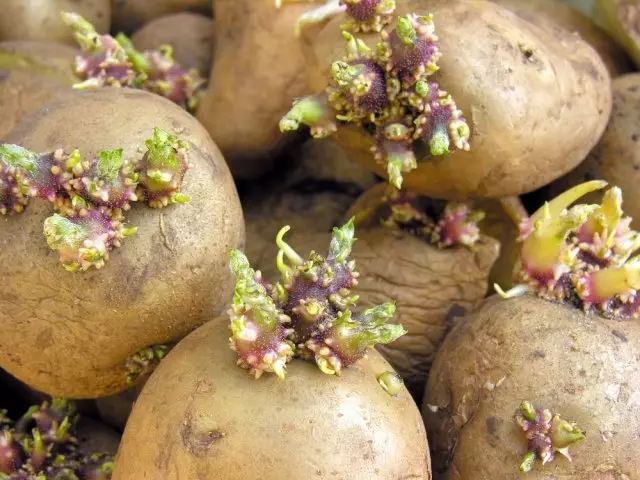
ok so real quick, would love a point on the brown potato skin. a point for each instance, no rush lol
(616, 158)
(201, 416)
(581, 366)
(524, 111)
(190, 35)
(31, 75)
(129, 15)
(258, 68)
(555, 12)
(69, 334)
(41, 20)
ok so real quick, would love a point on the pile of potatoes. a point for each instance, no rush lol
(457, 294)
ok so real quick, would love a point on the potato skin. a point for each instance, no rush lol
(555, 12)
(258, 68)
(31, 74)
(201, 416)
(537, 100)
(619, 18)
(40, 19)
(190, 35)
(129, 15)
(69, 334)
(583, 367)
(616, 158)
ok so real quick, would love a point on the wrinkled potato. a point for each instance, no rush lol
(189, 34)
(580, 366)
(70, 334)
(41, 20)
(216, 421)
(620, 18)
(129, 15)
(616, 158)
(431, 285)
(492, 63)
(258, 67)
(31, 74)
(555, 12)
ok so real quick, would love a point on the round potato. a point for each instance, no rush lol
(556, 12)
(129, 15)
(41, 20)
(70, 334)
(616, 158)
(492, 62)
(114, 410)
(201, 416)
(580, 366)
(31, 74)
(258, 67)
(189, 34)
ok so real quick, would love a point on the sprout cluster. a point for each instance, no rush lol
(41, 445)
(309, 313)
(441, 224)
(546, 434)
(114, 62)
(389, 92)
(89, 196)
(582, 254)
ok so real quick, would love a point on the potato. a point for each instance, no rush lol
(581, 366)
(555, 12)
(616, 157)
(620, 19)
(129, 15)
(70, 334)
(200, 416)
(258, 67)
(492, 62)
(189, 34)
(31, 74)
(431, 285)
(41, 20)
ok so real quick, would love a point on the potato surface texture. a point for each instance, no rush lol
(189, 34)
(31, 74)
(544, 13)
(129, 15)
(258, 67)
(583, 367)
(536, 100)
(616, 158)
(69, 334)
(201, 416)
(41, 20)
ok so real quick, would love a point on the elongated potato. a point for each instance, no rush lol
(258, 68)
(536, 100)
(41, 20)
(31, 74)
(69, 334)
